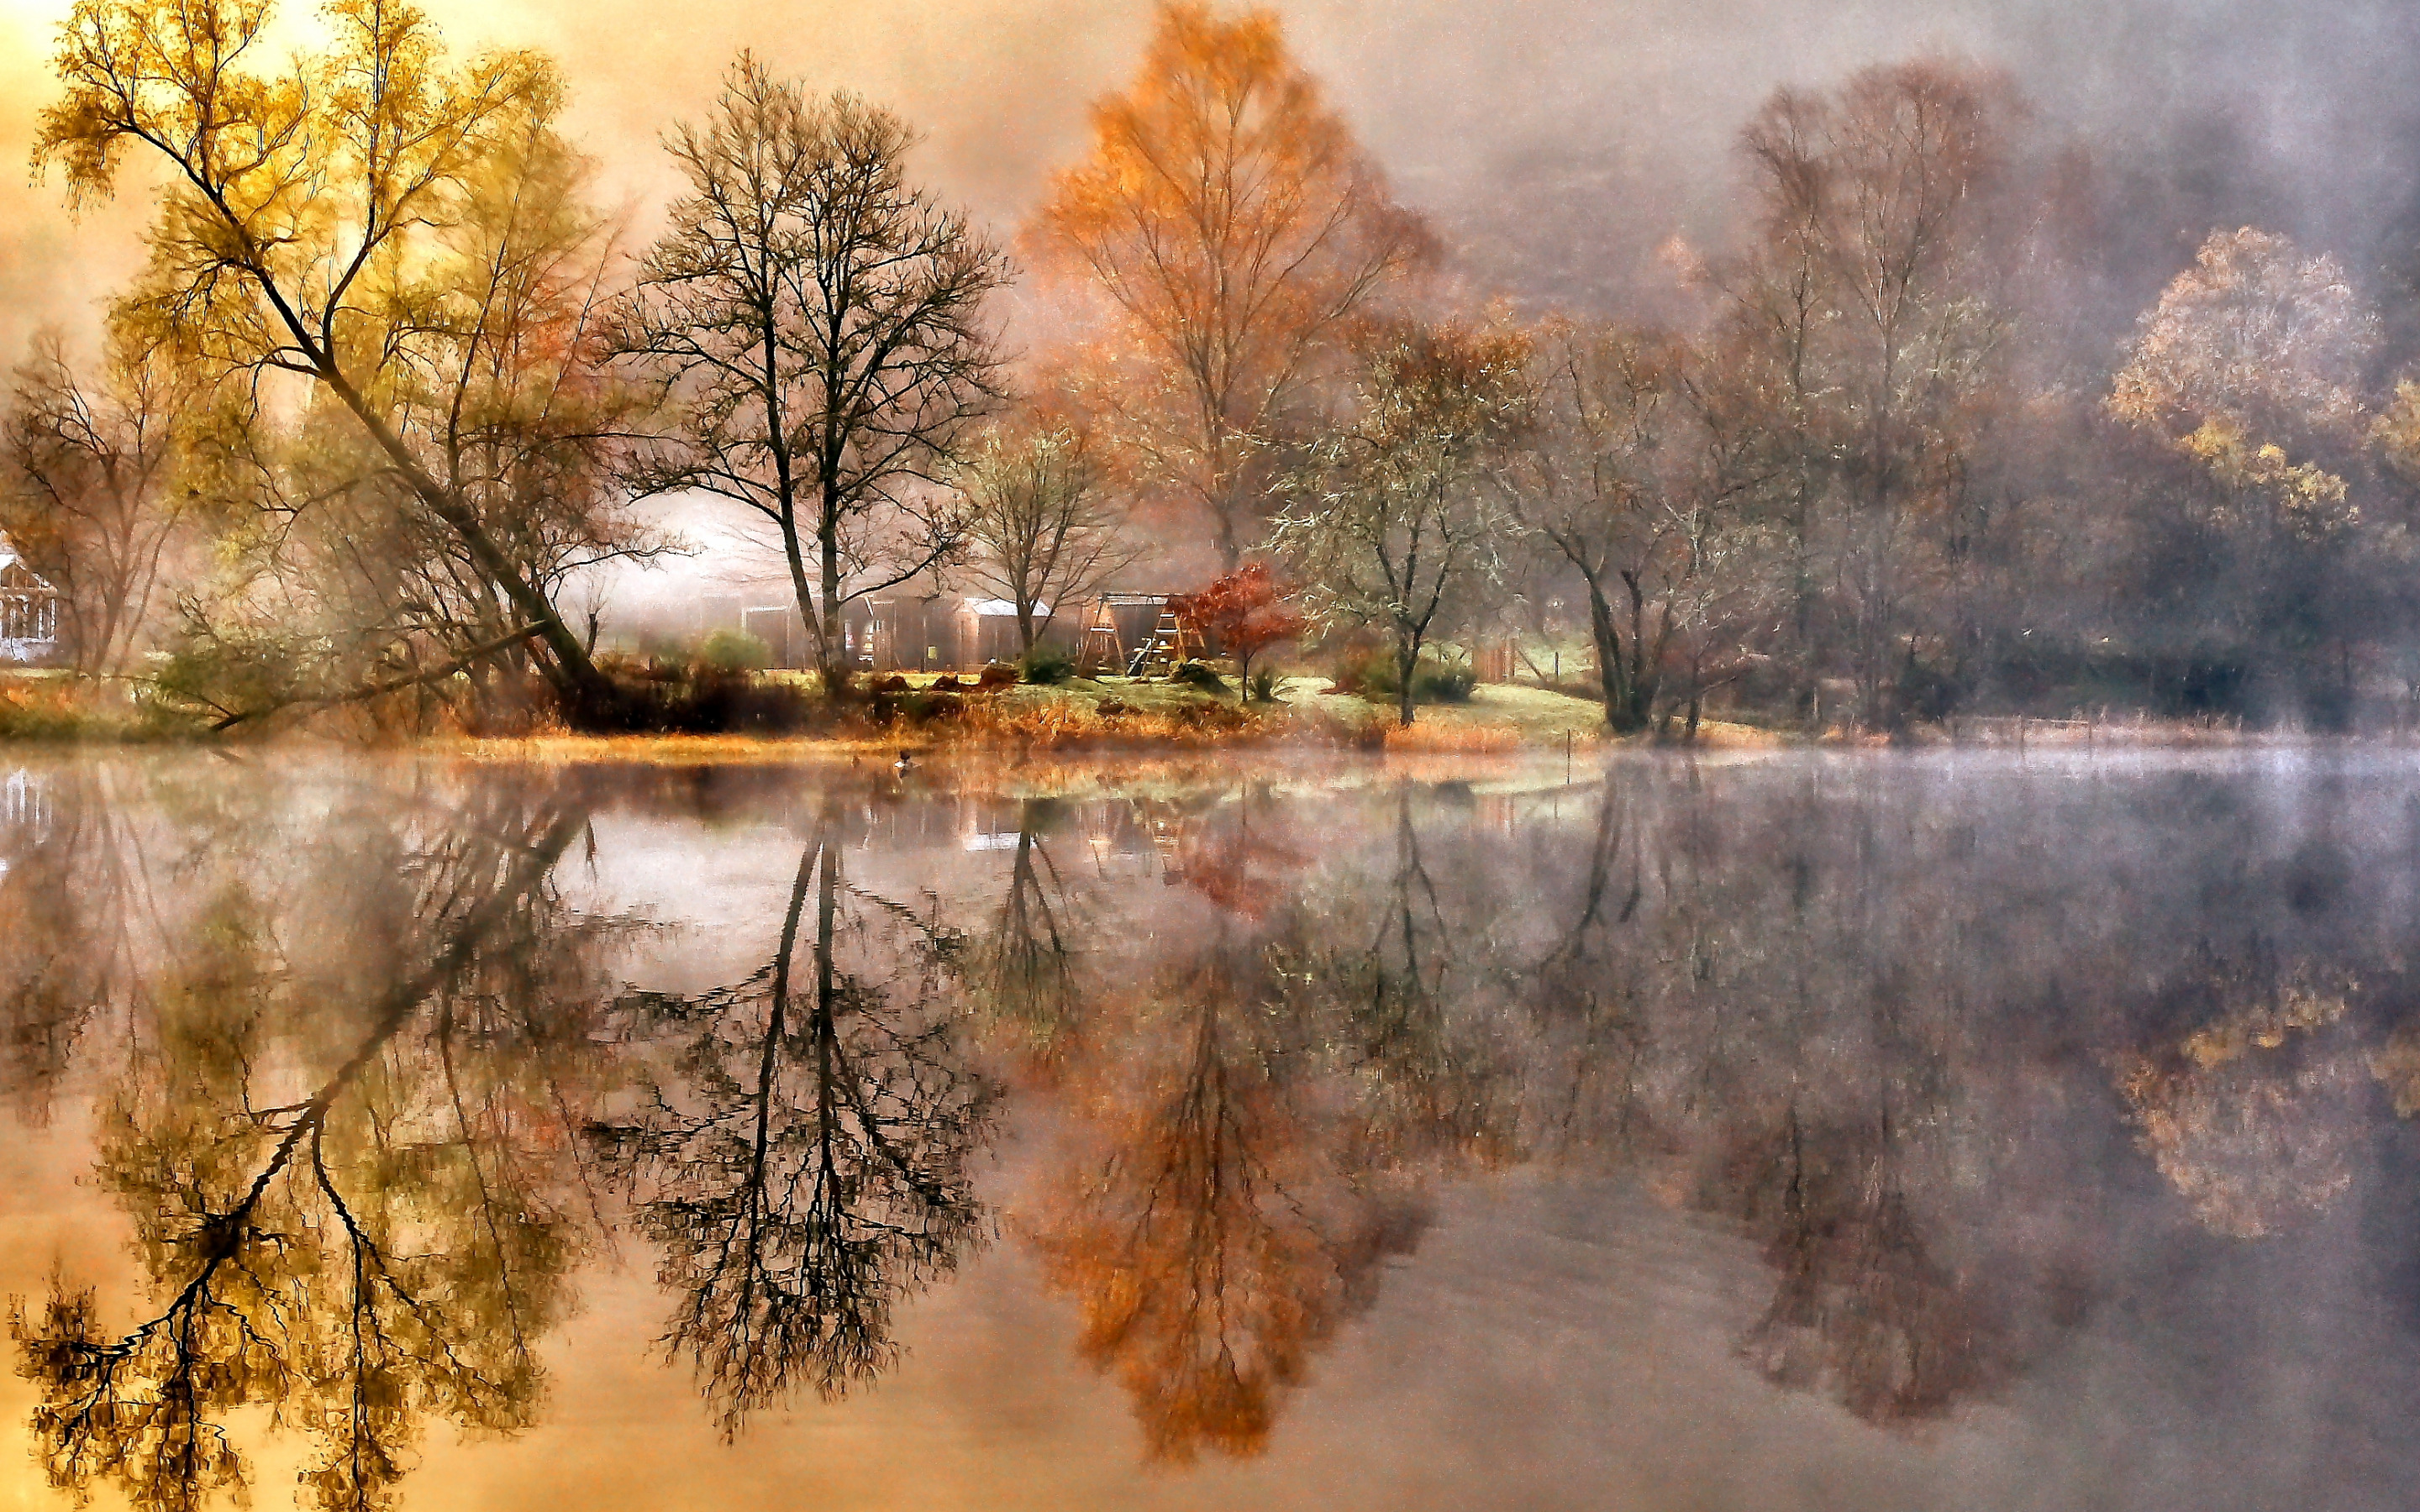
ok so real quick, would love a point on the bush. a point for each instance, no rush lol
(1371, 675)
(1434, 682)
(733, 651)
(1265, 687)
(1199, 674)
(1046, 666)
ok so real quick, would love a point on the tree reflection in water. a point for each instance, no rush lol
(1954, 1088)
(338, 1163)
(800, 1157)
(1237, 1177)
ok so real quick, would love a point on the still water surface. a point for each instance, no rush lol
(1814, 1132)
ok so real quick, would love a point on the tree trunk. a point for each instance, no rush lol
(590, 696)
(802, 590)
(1407, 655)
(832, 653)
(1612, 667)
(1644, 672)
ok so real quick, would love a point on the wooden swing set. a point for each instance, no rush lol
(1171, 641)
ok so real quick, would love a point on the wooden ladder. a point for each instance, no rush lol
(1162, 651)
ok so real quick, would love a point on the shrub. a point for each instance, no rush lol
(1371, 675)
(1046, 666)
(1199, 674)
(733, 651)
(1434, 682)
(1265, 687)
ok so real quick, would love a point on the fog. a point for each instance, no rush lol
(1566, 150)
(1560, 142)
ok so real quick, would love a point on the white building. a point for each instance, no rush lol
(30, 612)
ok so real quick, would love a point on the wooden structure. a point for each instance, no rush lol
(1140, 635)
(30, 612)
(783, 631)
(985, 631)
(1492, 662)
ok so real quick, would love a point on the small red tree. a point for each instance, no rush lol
(1246, 615)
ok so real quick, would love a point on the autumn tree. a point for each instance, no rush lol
(2250, 374)
(816, 321)
(1398, 515)
(307, 208)
(1246, 615)
(1231, 227)
(93, 497)
(2252, 366)
(331, 588)
(1044, 531)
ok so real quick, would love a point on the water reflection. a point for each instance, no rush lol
(799, 1155)
(343, 1164)
(381, 1066)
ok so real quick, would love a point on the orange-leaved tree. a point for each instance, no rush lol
(1231, 225)
(1248, 614)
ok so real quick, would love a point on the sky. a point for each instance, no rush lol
(1559, 145)
(1562, 140)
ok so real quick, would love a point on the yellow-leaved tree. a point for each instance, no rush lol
(307, 208)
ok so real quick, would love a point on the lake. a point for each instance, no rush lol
(1791, 1131)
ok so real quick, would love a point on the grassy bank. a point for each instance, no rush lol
(1110, 714)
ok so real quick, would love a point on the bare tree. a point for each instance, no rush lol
(816, 322)
(1626, 479)
(92, 497)
(1045, 531)
(1864, 319)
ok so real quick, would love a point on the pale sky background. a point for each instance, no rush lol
(1560, 142)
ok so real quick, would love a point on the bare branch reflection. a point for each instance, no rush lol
(801, 1156)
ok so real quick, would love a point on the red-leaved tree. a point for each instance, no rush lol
(1248, 614)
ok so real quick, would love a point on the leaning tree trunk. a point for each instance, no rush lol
(589, 695)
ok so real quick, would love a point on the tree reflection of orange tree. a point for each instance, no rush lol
(801, 1156)
(1216, 1240)
(365, 1255)
(1241, 1164)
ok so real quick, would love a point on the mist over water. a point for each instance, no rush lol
(1806, 1132)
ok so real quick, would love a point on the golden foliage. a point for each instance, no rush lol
(1232, 225)
(2249, 1119)
(2252, 354)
